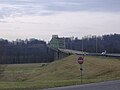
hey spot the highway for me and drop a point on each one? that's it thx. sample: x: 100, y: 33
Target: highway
x: 109, y: 85
x: 86, y: 53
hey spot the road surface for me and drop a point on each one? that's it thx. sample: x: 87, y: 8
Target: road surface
x: 109, y: 85
x: 85, y: 53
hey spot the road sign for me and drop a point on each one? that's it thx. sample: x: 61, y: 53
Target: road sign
x: 80, y: 60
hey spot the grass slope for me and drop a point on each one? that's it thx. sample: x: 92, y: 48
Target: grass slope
x: 59, y: 73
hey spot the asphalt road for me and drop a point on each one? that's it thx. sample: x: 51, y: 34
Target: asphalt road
x: 109, y: 85
x: 93, y: 54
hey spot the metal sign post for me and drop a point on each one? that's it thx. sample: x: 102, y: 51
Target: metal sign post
x: 80, y: 61
x: 81, y: 74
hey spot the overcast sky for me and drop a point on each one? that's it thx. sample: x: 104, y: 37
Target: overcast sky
x: 43, y: 18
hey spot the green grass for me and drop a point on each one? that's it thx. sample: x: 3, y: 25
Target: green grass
x: 59, y: 73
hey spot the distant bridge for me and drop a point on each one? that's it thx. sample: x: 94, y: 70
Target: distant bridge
x: 58, y: 54
x: 61, y: 53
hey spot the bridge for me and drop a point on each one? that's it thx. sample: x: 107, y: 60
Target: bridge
x: 58, y: 44
x: 69, y: 52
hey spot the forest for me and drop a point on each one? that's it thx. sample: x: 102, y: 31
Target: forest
x: 97, y: 44
x: 37, y: 51
x: 25, y: 51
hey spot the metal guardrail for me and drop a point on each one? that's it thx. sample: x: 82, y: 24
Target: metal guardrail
x: 107, y: 55
x: 113, y: 55
x: 86, y: 53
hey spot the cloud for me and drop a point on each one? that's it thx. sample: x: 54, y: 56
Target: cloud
x: 85, y: 5
x: 42, y: 18
x: 76, y: 24
x: 12, y: 8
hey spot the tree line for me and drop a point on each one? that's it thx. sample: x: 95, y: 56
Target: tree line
x: 97, y: 44
x: 25, y: 51
x: 37, y: 51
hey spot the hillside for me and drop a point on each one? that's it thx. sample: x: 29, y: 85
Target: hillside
x: 59, y: 73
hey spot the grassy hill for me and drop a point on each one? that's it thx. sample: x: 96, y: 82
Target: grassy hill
x: 59, y: 73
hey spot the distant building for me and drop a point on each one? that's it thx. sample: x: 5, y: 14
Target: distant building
x: 57, y: 42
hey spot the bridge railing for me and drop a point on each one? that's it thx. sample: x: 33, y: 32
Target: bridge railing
x: 86, y: 53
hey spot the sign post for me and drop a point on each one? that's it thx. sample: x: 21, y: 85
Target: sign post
x: 80, y: 61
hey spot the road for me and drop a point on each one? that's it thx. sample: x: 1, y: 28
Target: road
x: 86, y: 53
x: 109, y: 85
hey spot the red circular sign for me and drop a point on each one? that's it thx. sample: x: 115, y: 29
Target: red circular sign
x: 80, y: 60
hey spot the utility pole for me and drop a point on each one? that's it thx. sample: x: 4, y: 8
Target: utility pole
x: 82, y: 45
x: 96, y: 44
x: 81, y: 60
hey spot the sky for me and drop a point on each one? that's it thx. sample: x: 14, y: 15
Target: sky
x: 43, y: 18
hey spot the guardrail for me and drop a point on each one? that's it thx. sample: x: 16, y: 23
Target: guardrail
x: 86, y: 53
